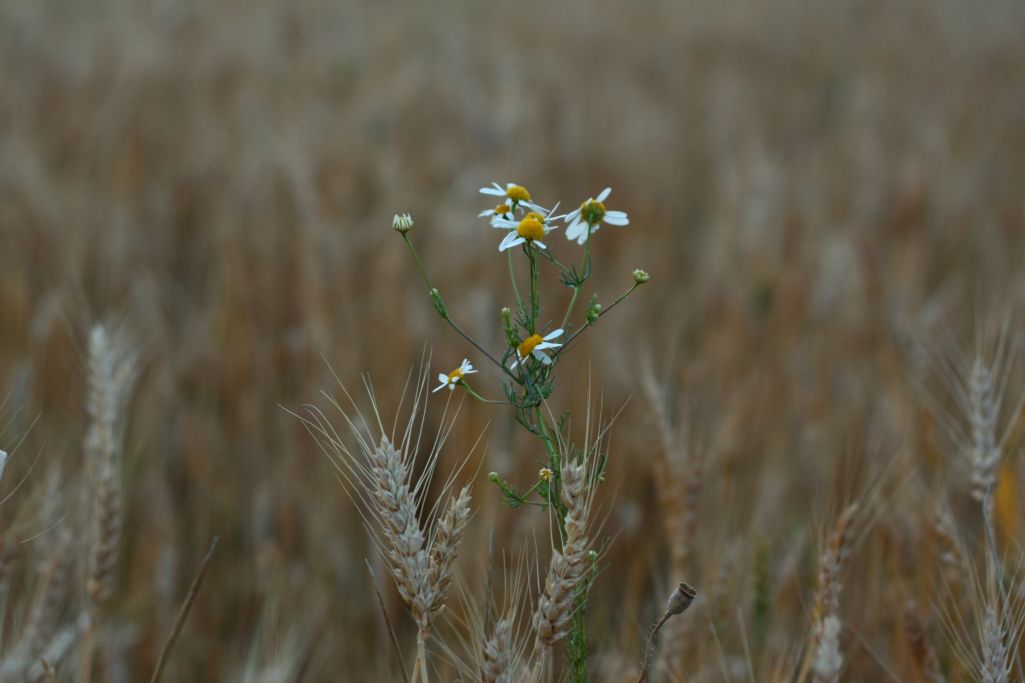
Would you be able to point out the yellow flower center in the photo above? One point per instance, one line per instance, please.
(527, 345)
(530, 228)
(455, 375)
(592, 211)
(502, 209)
(518, 193)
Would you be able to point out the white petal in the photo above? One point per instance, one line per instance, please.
(554, 334)
(438, 388)
(511, 240)
(492, 191)
(542, 357)
(604, 194)
(505, 223)
(452, 387)
(539, 245)
(571, 216)
(574, 230)
(616, 218)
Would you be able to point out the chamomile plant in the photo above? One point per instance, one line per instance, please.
(534, 343)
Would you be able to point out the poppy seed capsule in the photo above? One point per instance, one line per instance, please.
(681, 598)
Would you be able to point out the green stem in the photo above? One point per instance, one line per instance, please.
(550, 257)
(555, 483)
(512, 278)
(549, 446)
(477, 346)
(569, 310)
(476, 395)
(446, 316)
(533, 289)
(585, 269)
(585, 273)
(419, 263)
(603, 312)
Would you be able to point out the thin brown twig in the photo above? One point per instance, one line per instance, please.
(649, 646)
(183, 613)
(678, 602)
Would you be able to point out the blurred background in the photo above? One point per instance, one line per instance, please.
(807, 182)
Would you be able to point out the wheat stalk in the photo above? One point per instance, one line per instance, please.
(378, 476)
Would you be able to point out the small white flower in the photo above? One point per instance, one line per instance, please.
(500, 211)
(531, 229)
(592, 214)
(516, 196)
(455, 377)
(535, 346)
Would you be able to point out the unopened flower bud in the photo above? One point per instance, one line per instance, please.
(681, 598)
(508, 328)
(641, 276)
(593, 310)
(402, 223)
(545, 474)
(439, 305)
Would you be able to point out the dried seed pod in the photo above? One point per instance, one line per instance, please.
(681, 598)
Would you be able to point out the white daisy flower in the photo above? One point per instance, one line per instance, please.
(530, 229)
(592, 214)
(500, 211)
(516, 196)
(535, 346)
(455, 377)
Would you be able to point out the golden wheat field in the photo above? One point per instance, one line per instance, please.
(812, 414)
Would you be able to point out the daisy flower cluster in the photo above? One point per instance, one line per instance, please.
(533, 343)
(536, 221)
(534, 338)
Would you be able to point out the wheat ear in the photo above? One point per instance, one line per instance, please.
(111, 376)
(497, 655)
(404, 540)
(447, 538)
(567, 567)
(827, 660)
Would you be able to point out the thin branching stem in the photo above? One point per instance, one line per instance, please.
(603, 312)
